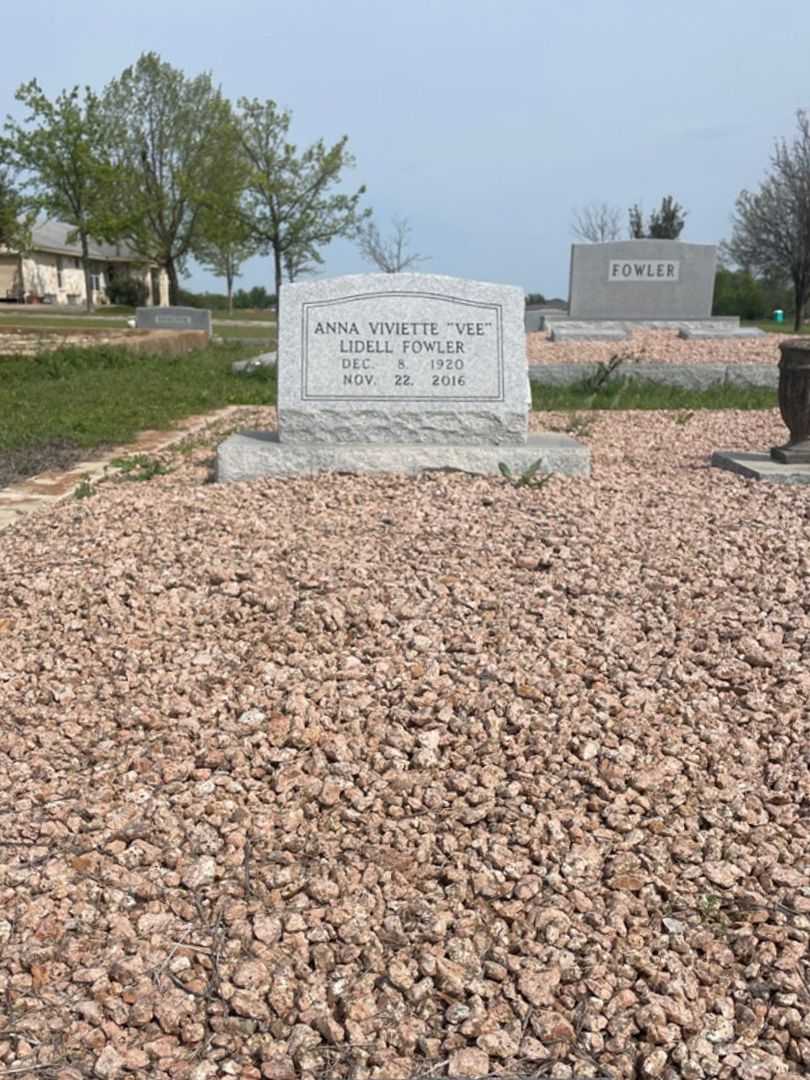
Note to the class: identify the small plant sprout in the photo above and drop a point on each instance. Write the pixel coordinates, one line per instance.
(527, 478)
(139, 467)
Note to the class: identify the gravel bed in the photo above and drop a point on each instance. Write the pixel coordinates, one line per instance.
(661, 346)
(377, 777)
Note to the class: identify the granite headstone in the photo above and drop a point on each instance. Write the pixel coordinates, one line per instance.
(400, 372)
(173, 318)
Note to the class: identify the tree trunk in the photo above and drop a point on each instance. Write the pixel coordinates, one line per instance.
(277, 263)
(174, 285)
(798, 303)
(229, 283)
(88, 284)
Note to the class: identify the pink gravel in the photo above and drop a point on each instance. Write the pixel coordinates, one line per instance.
(660, 346)
(355, 777)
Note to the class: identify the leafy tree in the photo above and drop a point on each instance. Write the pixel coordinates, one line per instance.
(257, 297)
(291, 207)
(174, 143)
(637, 231)
(62, 147)
(666, 223)
(300, 261)
(597, 223)
(389, 254)
(15, 224)
(225, 239)
(737, 292)
(771, 226)
(224, 247)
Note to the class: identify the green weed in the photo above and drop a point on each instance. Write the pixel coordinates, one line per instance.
(527, 478)
(139, 467)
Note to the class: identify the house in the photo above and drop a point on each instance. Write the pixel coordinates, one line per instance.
(51, 272)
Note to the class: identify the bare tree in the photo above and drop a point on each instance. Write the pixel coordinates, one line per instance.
(389, 254)
(771, 231)
(597, 223)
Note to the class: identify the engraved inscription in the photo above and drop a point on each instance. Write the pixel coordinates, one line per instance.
(661, 271)
(452, 351)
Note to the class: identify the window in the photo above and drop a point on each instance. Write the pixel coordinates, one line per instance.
(60, 265)
(77, 263)
(95, 282)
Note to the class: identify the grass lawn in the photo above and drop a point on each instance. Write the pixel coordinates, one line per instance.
(778, 328)
(245, 330)
(233, 327)
(637, 394)
(56, 406)
(228, 329)
(36, 313)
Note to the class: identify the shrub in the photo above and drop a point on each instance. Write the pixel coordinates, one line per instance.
(126, 291)
(257, 297)
(212, 301)
(737, 292)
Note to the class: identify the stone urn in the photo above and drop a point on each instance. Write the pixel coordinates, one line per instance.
(794, 401)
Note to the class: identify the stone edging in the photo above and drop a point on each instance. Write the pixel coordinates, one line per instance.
(48, 488)
(687, 376)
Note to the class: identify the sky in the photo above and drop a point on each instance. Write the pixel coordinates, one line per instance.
(484, 123)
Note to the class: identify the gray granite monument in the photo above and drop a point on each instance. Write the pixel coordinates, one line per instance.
(642, 279)
(173, 318)
(399, 373)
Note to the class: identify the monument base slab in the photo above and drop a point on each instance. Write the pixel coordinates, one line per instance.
(761, 466)
(690, 333)
(792, 455)
(584, 332)
(251, 454)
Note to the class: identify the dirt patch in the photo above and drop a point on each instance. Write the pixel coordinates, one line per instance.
(57, 455)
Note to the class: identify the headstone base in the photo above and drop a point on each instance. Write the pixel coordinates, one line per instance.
(792, 455)
(761, 466)
(251, 454)
(720, 333)
(589, 332)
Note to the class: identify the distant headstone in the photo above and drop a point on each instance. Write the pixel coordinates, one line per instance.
(398, 373)
(538, 317)
(173, 318)
(642, 279)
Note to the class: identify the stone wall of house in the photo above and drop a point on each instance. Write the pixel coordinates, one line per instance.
(42, 278)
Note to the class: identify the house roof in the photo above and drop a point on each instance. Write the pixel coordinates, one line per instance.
(52, 236)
